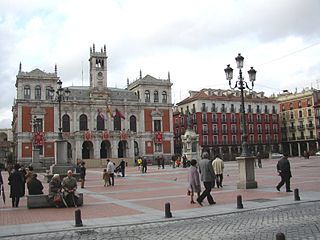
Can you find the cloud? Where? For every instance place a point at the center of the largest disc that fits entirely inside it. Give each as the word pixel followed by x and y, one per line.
pixel 194 40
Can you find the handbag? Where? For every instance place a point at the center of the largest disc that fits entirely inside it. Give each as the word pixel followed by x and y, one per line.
pixel 57 199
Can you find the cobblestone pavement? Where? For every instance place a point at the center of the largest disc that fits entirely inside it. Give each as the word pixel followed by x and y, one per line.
pixel 297 221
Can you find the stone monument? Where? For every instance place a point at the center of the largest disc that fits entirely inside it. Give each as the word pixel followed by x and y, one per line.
pixel 190 142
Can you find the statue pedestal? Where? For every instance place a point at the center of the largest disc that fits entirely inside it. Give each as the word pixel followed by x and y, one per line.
pixel 246 173
pixel 37 166
pixel 61 165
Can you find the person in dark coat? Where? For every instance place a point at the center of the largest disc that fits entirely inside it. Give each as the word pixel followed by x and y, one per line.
pixel 16 182
pixel 122 167
pixel 34 185
pixel 283 168
pixel 144 165
pixel 24 173
pixel 82 173
pixel 162 162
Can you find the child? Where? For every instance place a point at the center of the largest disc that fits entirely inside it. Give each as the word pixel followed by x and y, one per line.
pixel 105 177
pixel 193 180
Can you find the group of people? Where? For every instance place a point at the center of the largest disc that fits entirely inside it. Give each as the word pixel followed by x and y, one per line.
pixel 209 172
pixel 111 170
pixel 18 178
pixel 63 193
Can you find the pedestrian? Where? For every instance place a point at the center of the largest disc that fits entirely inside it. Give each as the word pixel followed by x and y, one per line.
pixel 162 162
pixel 23 173
pixel 158 162
pixel 218 167
pixel 69 186
pixel 34 185
pixel 283 168
pixel 173 160
pixel 122 167
pixel 144 165
pixel 16 182
pixel 139 162
pixel 207 177
pixel 106 177
pixel 194 181
pixel 82 173
pixel 110 171
pixel 184 161
pixel 259 159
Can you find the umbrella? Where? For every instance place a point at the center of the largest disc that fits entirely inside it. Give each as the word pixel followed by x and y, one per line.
pixel 3 195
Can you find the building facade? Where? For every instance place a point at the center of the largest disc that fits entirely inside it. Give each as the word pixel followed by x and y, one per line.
pixel 216 118
pixel 98 121
pixel 299 117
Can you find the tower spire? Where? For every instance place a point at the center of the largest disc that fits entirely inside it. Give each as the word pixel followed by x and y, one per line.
pixel 20 67
pixel 140 74
pixel 55 69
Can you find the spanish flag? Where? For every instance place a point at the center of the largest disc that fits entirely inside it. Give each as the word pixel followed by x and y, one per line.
pixel 109 111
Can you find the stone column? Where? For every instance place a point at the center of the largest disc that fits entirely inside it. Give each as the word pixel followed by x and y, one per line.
pixel 246 173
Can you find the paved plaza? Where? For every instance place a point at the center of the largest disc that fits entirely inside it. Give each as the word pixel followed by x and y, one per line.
pixel 134 208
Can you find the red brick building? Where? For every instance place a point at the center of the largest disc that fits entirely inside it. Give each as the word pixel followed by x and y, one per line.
pixel 217 119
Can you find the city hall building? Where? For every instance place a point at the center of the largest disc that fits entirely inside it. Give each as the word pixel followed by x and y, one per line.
pixel 97 121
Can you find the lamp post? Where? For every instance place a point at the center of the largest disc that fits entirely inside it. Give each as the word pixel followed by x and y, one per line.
pixel 245 161
pixel 61 95
pixel 61 165
pixel 242 85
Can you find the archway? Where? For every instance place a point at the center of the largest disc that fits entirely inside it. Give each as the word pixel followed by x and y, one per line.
pixel 105 149
pixel 87 150
pixel 122 149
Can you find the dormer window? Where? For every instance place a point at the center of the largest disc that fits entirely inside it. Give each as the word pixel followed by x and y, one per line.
pixel 147 95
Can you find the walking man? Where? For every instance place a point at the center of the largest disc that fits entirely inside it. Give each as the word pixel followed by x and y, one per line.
pixel 110 171
pixel 283 167
pixel 207 177
pixel 218 167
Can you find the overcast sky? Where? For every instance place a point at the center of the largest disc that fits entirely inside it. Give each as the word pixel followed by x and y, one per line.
pixel 193 40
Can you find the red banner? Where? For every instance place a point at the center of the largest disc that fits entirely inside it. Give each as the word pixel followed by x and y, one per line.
pixel 38 138
pixel 123 135
pixel 105 135
pixel 87 135
pixel 158 137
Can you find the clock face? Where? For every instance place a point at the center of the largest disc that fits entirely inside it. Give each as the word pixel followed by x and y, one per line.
pixel 100 75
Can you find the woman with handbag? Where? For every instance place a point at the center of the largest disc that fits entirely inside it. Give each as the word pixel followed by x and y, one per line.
pixel 55 194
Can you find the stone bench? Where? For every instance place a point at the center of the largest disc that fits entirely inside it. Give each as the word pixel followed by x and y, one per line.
pixel 42 201
pixel 47 177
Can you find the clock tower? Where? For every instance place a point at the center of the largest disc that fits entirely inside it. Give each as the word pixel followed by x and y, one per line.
pixel 98 72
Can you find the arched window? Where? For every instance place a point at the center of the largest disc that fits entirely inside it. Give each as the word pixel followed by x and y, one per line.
pixel 164 97
pixel 65 123
pixel 83 122
pixel 100 122
pixel 156 96
pixel 26 92
pixel 117 123
pixel 147 95
pixel 133 124
pixel 37 92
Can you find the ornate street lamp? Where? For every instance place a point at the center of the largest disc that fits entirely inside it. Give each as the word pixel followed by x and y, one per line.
pixel 241 85
pixel 245 160
pixel 61 95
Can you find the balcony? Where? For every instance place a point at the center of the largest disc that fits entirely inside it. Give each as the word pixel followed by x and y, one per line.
pixel 205 132
pixel 300 128
pixel 310 137
pixel 214 120
pixel 310 126
pixel 233 120
pixel 292 129
pixel 233 109
pixel 301 138
pixel 215 132
pixel 234 131
pixel 213 109
pixel 223 109
pixel 204 109
pixel 224 132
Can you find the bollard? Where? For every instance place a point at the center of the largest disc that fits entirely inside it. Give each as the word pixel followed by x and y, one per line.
pixel 168 213
pixel 296 194
pixel 78 220
pixel 239 202
pixel 280 236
